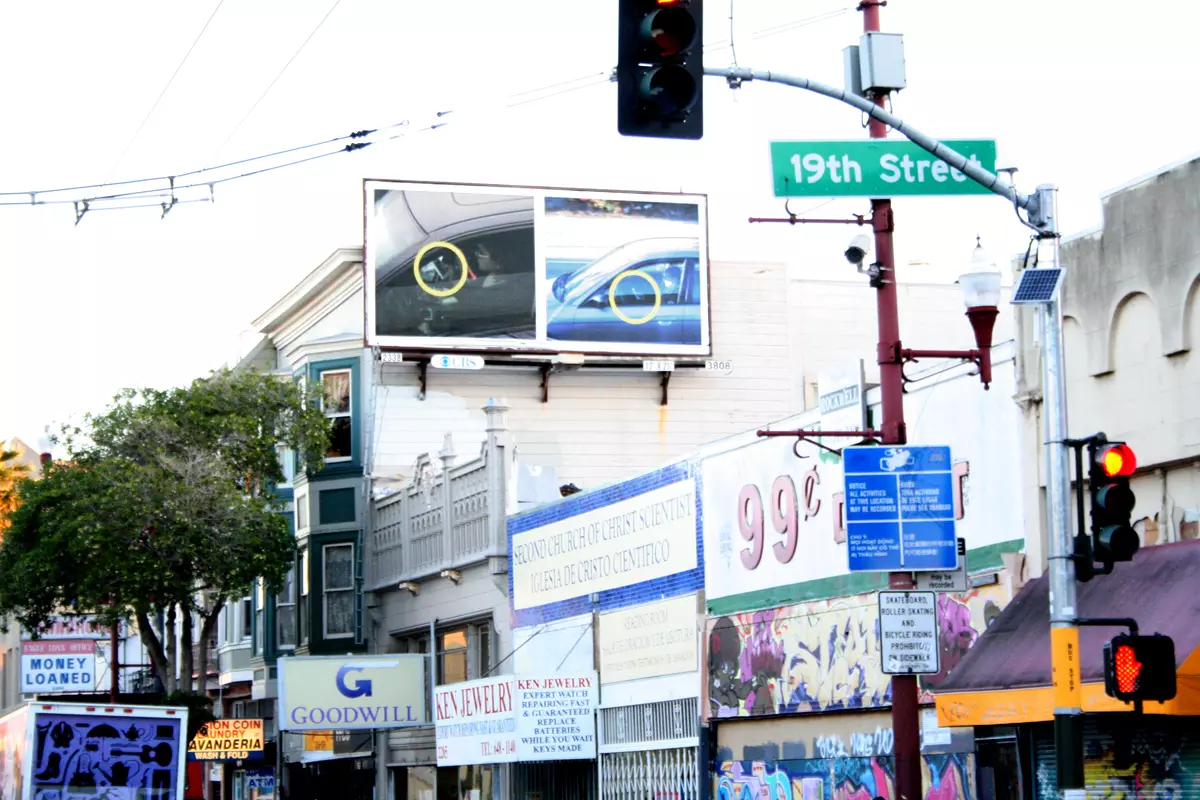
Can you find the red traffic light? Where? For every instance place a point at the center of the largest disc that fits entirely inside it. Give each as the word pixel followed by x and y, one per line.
pixel 1116 461
pixel 1128 669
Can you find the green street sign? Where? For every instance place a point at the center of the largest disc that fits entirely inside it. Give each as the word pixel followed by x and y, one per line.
pixel 874 168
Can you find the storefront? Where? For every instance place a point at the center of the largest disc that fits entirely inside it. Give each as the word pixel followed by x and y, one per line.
pixel 608 580
pixel 1003 689
pixel 539 728
pixel 650 687
pixel 794 686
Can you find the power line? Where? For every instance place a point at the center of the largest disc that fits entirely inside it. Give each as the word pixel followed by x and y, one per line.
pixel 359 140
pixel 161 94
pixel 271 85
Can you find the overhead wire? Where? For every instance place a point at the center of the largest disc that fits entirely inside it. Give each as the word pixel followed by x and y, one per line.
pixel 271 85
pixel 364 137
pixel 163 93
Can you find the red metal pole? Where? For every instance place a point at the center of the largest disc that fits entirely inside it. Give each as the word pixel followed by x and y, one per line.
pixel 906 725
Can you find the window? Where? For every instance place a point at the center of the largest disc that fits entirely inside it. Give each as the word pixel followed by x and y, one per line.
pixel 485 649
pixel 301 512
pixel 287 464
pixel 285 612
pixel 247 619
pixel 238 709
pixel 304 596
pixel 335 402
pixel 452 656
pixel 338 585
pixel 635 290
pixel 261 601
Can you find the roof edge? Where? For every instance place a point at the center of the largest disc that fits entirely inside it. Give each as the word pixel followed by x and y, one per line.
pixel 310 286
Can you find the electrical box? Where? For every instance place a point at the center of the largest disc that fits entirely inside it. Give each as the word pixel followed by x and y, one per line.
pixel 881 61
pixel 850 63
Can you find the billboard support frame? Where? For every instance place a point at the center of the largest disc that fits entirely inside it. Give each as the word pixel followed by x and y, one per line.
pixel 547 366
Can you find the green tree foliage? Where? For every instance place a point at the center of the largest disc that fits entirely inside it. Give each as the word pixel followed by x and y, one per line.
pixel 163 508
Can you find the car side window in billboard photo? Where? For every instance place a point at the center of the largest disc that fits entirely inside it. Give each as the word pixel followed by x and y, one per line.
pixel 509 269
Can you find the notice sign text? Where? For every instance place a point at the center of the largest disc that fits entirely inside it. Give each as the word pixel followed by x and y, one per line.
pixel 555 718
pixel 227 739
pixel 650 640
pixel 908 633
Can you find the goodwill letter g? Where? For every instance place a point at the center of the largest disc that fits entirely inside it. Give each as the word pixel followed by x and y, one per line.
pixel 358 688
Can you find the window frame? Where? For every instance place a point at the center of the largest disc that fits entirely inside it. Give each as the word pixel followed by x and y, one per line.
pixel 304 601
pixel 246 612
pixel 292 603
pixel 326 591
pixel 260 616
pixel 348 414
pixel 599 296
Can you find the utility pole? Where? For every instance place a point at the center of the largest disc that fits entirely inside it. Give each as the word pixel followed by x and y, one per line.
pixel 1064 613
pixel 906 721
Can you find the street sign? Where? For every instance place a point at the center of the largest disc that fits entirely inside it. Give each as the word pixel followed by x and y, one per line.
pixel 874 168
pixel 456 362
pixel 953 581
pixel 899 508
pixel 908 633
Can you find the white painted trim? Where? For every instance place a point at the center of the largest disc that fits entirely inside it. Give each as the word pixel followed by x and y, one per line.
pixel 311 285
pixel 1149 176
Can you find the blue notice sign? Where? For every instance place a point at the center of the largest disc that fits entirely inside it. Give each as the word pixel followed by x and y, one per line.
pixel 899 509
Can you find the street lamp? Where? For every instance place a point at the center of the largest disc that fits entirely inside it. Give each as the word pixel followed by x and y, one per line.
pixel 981 295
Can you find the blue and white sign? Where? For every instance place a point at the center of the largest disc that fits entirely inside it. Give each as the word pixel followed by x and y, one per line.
pixel 899 508
pixel 261 779
pixel 445 361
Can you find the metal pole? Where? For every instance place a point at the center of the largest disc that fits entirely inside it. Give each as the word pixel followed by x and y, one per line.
pixel 114 664
pixel 906 724
pixel 1064 629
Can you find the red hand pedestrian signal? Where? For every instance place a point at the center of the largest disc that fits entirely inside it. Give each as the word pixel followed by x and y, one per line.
pixel 1128 669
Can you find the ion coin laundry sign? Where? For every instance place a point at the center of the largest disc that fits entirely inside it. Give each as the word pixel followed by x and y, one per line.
pixel 57 666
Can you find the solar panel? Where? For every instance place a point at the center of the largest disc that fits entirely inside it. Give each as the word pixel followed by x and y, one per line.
pixel 1037 286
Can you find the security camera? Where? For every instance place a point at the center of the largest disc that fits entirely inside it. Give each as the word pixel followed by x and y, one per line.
pixel 859 249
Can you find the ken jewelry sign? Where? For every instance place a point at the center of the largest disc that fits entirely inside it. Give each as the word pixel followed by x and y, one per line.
pixel 509 719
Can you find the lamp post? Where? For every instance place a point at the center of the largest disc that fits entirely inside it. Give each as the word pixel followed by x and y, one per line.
pixel 981 295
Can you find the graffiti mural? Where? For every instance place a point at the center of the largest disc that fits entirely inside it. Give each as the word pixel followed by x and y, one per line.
pixel 1134 764
pixel 945 777
pixel 824 655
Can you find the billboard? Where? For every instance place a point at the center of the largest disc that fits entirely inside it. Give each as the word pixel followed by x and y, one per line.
pixel 58 666
pixel 511 269
pixel 317 693
pixel 228 740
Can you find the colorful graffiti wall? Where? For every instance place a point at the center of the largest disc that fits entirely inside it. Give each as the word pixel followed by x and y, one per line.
pixel 824 655
pixel 1130 762
pixel 948 776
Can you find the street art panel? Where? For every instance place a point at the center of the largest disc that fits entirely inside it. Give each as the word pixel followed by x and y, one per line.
pixel 824 655
pixel 1134 763
pixel 944 777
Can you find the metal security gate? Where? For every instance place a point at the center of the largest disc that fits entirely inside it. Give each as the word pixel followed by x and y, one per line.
pixel 650 775
pixel 1156 757
pixel 554 780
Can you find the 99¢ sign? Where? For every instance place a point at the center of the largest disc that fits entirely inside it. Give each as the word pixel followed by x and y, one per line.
pixel 784 506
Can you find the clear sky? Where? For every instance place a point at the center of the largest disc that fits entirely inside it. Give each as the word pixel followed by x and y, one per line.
pixel 1085 95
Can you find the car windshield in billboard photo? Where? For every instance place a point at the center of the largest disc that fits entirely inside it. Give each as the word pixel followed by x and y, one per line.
pixel 504 269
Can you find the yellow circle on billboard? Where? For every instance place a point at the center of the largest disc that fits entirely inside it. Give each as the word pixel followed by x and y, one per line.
pixel 462 261
pixel 612 296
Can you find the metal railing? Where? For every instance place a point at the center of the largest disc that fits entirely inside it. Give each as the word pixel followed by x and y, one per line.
pixel 445 518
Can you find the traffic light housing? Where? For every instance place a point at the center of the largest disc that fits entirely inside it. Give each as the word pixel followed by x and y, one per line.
pixel 660 69
pixel 1113 536
pixel 1140 668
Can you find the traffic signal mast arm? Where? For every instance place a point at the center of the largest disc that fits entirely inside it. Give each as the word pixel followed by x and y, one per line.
pixel 1040 210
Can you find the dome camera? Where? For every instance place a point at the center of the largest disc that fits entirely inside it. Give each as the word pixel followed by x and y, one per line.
pixel 859 250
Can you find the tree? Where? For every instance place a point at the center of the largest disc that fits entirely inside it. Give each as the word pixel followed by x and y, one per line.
pixel 165 500
pixel 10 473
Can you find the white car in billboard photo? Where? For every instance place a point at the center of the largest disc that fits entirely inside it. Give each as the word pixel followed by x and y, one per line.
pixel 646 291
pixel 452 264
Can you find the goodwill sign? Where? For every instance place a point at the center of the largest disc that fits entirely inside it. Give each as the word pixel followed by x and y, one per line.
pixel 317 693
pixel 58 666
pixel 647 536
pixel 509 719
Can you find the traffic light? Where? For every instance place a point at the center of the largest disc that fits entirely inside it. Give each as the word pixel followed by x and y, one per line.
pixel 1113 536
pixel 1140 668
pixel 660 69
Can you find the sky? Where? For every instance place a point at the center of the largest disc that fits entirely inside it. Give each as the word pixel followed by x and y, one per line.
pixel 1085 96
